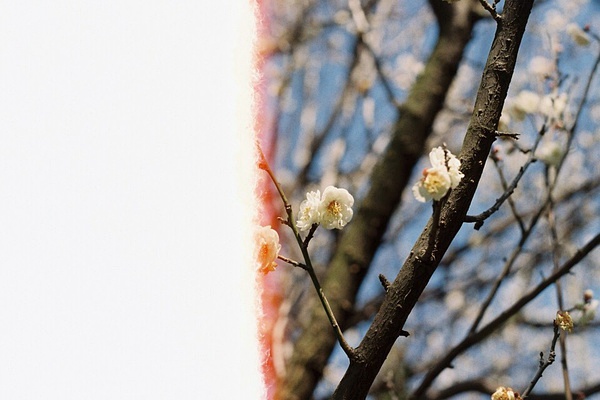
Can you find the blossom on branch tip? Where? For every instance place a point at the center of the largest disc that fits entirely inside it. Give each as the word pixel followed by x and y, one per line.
pixel 564 321
pixel 578 35
pixel 505 393
pixel 440 178
pixel 309 211
pixel 588 308
pixel 550 153
pixel 554 106
pixel 335 208
pixel 526 102
pixel 267 250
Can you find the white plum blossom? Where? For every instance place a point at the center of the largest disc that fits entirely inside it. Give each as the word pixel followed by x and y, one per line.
pixel 550 153
pixel 564 321
pixel 542 66
pixel 578 35
pixel 443 175
pixel 267 248
pixel 505 393
pixel 526 102
pixel 309 211
pixel 589 311
pixel 335 209
pixel 504 122
pixel 589 307
pixel 553 106
pixel 434 184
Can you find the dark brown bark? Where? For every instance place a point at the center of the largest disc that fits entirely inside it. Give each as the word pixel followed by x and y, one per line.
pixel 449 215
pixel 390 176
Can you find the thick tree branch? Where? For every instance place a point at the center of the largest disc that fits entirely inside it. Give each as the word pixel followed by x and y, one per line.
pixel 418 268
pixel 390 176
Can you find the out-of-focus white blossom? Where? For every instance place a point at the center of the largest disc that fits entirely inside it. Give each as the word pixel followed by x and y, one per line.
pixel 505 393
pixel 550 153
pixel 554 106
pixel 443 175
pixel 578 35
pixel 309 211
pixel 267 249
pixel 335 209
pixel 406 69
pixel 588 308
pixel 541 66
pixel 554 20
pixel 504 122
pixel 589 311
pixel 526 102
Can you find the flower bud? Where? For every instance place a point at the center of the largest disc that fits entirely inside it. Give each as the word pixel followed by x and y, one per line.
pixel 564 321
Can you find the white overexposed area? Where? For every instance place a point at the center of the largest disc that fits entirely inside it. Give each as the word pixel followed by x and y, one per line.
pixel 125 201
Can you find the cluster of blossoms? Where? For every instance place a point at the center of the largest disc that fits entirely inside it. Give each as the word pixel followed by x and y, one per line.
pixel 588 308
pixel 332 210
pixel 443 175
pixel 267 250
pixel 553 106
pixel 505 393
pixel 564 321
pixel 550 153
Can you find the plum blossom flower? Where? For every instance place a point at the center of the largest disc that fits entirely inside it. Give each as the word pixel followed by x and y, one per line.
pixel 542 66
pixel 443 175
pixel 564 321
pixel 588 308
pixel 504 122
pixel 267 250
pixel 309 211
pixel 505 393
pixel 554 106
pixel 434 184
pixel 578 35
pixel 550 153
pixel 335 208
pixel 526 102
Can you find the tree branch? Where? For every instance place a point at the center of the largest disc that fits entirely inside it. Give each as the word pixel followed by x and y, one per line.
pixel 493 325
pixel 417 270
pixel 361 239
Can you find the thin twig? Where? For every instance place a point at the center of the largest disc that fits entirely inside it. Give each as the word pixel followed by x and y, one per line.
pixel 508 191
pixel 350 352
pixel 310 235
pixel 558 286
pixel 478 219
pixel 474 338
pixel 511 202
pixel 292 262
pixel 387 86
pixel 491 9
pixel 543 363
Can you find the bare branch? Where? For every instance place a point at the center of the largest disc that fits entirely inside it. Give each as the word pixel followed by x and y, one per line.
pixel 495 324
